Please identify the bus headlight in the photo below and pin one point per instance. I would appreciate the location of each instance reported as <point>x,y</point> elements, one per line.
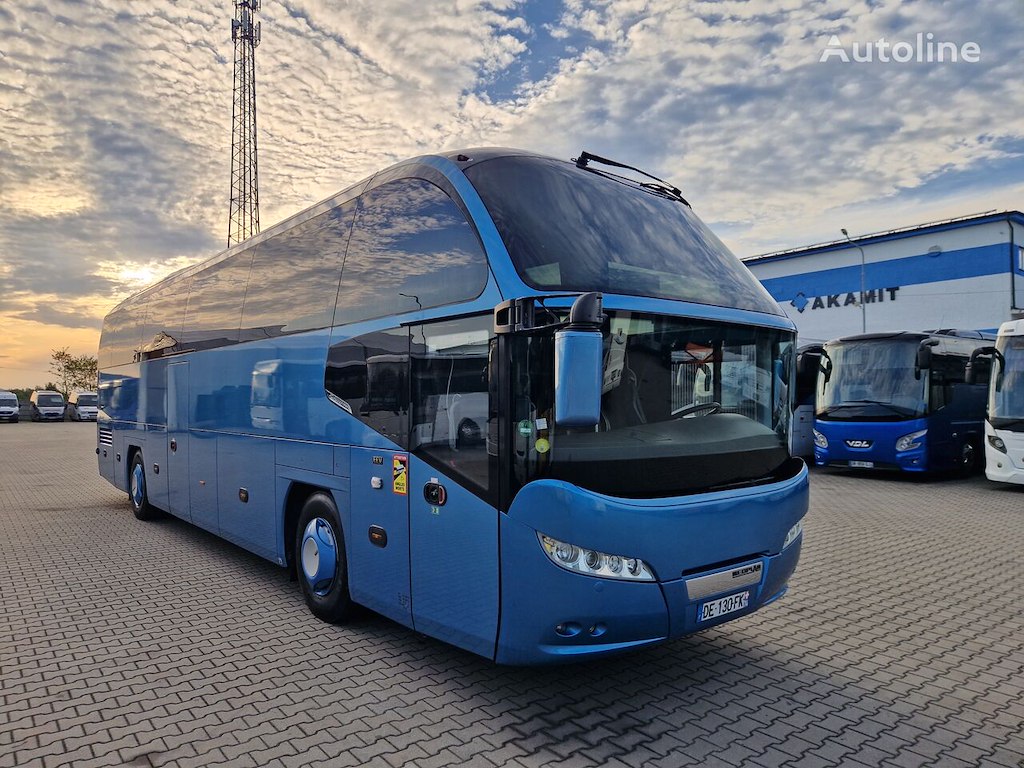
<point>819,439</point>
<point>594,563</point>
<point>997,442</point>
<point>911,441</point>
<point>794,533</point>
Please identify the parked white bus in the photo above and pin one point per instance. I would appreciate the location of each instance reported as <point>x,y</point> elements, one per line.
<point>1004,425</point>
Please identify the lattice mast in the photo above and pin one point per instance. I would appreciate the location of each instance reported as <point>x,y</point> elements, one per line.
<point>244,218</point>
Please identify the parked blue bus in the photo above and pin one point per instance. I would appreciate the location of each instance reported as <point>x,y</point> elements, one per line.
<point>900,401</point>
<point>531,407</point>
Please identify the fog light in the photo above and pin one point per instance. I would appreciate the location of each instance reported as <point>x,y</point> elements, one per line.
<point>997,442</point>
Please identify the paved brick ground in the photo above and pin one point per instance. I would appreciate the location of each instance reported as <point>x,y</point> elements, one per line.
<point>901,643</point>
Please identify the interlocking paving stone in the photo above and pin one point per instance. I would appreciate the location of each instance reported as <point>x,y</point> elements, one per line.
<point>901,643</point>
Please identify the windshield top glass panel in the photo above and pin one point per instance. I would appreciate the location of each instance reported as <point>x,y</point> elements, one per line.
<point>569,229</point>
<point>1006,393</point>
<point>871,380</point>
<point>87,399</point>
<point>50,400</point>
<point>688,406</point>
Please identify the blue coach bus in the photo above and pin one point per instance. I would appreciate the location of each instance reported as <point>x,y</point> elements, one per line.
<point>531,407</point>
<point>900,401</point>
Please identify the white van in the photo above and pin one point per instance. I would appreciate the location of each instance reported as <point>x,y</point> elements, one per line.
<point>47,405</point>
<point>82,406</point>
<point>8,406</point>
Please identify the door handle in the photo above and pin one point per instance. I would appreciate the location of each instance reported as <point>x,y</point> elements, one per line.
<point>174,445</point>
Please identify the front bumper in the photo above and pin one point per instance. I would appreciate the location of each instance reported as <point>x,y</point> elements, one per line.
<point>871,445</point>
<point>550,615</point>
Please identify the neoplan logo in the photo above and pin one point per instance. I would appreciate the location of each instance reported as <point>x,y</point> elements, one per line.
<point>746,570</point>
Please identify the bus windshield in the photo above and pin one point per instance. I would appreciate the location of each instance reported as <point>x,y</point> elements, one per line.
<point>871,380</point>
<point>688,406</point>
<point>1006,395</point>
<point>568,229</point>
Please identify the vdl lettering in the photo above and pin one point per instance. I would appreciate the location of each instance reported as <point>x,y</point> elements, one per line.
<point>480,365</point>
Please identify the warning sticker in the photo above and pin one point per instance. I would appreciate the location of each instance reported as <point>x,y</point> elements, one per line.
<point>400,475</point>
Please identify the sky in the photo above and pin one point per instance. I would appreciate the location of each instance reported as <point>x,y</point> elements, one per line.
<point>115,121</point>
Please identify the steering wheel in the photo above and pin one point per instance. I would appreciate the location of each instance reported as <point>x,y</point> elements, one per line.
<point>706,408</point>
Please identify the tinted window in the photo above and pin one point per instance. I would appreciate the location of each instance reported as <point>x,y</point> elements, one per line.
<point>411,248</point>
<point>370,374</point>
<point>122,333</point>
<point>568,229</point>
<point>451,408</point>
<point>214,306</point>
<point>295,277</point>
<point>165,313</point>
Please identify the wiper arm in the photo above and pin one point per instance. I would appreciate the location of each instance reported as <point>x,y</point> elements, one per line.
<point>662,188</point>
<point>894,408</point>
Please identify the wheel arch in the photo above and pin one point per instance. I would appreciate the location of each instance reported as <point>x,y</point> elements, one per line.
<point>298,493</point>
<point>129,456</point>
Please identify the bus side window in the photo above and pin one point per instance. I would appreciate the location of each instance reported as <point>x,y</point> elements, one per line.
<point>411,248</point>
<point>451,396</point>
<point>369,374</point>
<point>303,261</point>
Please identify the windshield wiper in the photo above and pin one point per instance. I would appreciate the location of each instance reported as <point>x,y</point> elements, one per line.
<point>662,188</point>
<point>857,403</point>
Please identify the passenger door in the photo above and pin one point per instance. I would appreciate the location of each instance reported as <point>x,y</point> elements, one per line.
<point>453,525</point>
<point>177,440</point>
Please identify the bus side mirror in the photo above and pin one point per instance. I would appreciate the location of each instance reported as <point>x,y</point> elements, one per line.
<point>924,357</point>
<point>825,369</point>
<point>971,371</point>
<point>579,365</point>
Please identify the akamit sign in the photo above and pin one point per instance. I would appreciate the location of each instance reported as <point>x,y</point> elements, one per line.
<point>801,300</point>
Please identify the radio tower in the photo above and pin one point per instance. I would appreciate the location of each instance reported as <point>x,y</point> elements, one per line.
<point>244,220</point>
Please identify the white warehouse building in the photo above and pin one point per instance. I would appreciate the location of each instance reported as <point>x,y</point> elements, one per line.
<point>965,273</point>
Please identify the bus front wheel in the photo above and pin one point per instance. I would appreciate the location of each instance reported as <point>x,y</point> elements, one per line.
<point>138,494</point>
<point>320,560</point>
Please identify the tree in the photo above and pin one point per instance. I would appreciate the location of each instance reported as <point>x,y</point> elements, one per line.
<point>73,371</point>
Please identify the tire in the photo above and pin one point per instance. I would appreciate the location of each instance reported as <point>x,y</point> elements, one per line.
<point>970,459</point>
<point>138,493</point>
<point>320,562</point>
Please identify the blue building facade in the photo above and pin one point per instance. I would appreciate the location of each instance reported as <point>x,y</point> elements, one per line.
<point>965,273</point>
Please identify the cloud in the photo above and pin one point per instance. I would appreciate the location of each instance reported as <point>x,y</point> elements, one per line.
<point>115,118</point>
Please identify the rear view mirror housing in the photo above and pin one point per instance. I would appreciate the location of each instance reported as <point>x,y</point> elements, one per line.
<point>923,362</point>
<point>579,364</point>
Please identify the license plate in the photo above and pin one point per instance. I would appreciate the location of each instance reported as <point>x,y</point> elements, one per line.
<point>863,464</point>
<point>723,605</point>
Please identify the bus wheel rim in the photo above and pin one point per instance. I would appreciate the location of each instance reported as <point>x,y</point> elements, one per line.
<point>138,485</point>
<point>319,556</point>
